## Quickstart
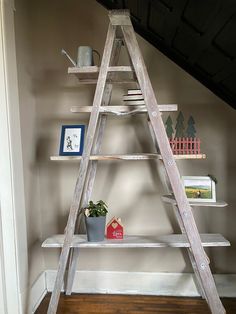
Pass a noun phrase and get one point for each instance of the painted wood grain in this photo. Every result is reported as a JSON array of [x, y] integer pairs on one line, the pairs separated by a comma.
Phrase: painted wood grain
[[190, 237], [83, 170], [170, 199], [172, 171], [92, 169], [123, 109], [137, 241], [139, 156]]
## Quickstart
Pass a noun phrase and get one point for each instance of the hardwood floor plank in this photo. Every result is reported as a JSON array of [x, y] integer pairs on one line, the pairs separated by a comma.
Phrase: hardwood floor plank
[[131, 304]]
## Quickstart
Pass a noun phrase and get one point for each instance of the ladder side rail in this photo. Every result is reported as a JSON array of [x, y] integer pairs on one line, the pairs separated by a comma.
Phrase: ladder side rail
[[83, 170], [92, 167], [197, 279], [172, 170], [153, 136], [74, 252]]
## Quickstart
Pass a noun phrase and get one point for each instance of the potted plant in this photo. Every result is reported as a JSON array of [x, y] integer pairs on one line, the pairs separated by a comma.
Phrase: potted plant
[[95, 220]]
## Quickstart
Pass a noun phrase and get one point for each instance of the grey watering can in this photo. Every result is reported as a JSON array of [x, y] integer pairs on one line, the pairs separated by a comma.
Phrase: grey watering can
[[84, 56]]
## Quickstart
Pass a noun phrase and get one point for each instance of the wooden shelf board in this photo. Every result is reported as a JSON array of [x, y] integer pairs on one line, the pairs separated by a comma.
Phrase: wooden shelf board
[[89, 74], [87, 70], [96, 69], [193, 156], [170, 199], [124, 157], [123, 109], [137, 241]]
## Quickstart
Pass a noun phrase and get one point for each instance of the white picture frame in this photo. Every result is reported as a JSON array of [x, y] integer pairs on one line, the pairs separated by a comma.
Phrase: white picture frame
[[199, 188]]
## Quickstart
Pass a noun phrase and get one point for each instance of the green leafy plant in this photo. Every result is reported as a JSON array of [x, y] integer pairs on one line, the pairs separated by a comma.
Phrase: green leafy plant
[[96, 210]]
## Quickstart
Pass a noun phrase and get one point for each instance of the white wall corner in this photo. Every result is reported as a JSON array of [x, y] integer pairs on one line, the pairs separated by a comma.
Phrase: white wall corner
[[37, 293], [13, 220]]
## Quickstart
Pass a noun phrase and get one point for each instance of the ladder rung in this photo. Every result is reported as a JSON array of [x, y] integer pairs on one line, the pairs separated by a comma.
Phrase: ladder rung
[[170, 199], [124, 157], [109, 80], [96, 69], [120, 69], [123, 109], [137, 241], [89, 74]]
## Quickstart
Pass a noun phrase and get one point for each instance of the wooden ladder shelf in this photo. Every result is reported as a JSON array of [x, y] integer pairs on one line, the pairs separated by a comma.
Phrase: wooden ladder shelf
[[104, 76]]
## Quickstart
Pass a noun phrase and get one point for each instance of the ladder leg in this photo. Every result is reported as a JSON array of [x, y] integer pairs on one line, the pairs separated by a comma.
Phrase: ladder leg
[[88, 191], [93, 165], [72, 269], [172, 171], [87, 194], [198, 280], [83, 170]]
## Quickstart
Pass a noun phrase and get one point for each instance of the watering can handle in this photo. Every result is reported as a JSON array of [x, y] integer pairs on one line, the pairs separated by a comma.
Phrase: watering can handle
[[98, 54]]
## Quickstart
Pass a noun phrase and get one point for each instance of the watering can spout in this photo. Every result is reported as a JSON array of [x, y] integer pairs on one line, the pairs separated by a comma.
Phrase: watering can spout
[[63, 52]]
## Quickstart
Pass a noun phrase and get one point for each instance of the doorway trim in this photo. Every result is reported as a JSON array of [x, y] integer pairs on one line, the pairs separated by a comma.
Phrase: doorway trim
[[13, 240]]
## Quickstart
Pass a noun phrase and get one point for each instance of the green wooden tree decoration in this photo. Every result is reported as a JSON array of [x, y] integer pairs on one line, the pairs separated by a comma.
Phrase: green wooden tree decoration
[[169, 129], [179, 125], [191, 131]]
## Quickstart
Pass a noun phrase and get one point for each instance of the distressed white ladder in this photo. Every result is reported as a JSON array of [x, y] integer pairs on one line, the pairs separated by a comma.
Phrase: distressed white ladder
[[120, 24]]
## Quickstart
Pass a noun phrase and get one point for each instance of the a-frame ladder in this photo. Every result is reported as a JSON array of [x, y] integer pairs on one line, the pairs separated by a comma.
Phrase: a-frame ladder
[[120, 24]]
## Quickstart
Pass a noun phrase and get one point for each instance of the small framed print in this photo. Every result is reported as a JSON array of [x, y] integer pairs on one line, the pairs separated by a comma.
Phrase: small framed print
[[72, 140], [199, 189]]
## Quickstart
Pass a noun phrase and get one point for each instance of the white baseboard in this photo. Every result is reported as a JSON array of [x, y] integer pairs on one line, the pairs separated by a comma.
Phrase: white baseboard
[[37, 293], [143, 283], [169, 284]]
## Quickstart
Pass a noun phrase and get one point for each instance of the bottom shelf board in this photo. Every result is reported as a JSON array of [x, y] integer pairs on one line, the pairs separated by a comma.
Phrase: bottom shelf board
[[137, 241]]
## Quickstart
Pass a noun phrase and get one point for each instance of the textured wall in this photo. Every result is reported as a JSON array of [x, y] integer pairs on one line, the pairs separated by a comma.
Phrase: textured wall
[[131, 189]]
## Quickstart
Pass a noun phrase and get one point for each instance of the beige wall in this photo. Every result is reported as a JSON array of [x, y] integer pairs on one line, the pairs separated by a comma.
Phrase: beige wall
[[28, 120], [131, 189]]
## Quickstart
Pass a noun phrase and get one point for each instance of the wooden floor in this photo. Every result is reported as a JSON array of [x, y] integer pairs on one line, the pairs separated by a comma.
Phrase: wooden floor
[[127, 304]]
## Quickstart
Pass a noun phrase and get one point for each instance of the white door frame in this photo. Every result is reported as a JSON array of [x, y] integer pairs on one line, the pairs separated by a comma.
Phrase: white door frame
[[13, 240]]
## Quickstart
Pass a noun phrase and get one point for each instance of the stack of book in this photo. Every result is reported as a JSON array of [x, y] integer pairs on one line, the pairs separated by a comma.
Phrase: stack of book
[[134, 97]]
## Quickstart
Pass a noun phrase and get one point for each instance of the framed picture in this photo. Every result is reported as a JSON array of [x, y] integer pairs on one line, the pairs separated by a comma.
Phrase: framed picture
[[199, 189], [72, 140]]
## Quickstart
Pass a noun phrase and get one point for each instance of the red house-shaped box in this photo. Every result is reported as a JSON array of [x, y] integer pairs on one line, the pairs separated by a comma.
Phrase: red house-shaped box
[[115, 229]]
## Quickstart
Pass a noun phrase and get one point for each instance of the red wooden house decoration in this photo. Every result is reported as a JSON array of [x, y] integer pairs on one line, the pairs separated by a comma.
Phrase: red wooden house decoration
[[115, 229]]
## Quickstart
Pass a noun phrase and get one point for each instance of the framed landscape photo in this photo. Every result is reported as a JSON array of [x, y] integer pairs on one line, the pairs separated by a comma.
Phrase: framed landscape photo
[[199, 189], [72, 140]]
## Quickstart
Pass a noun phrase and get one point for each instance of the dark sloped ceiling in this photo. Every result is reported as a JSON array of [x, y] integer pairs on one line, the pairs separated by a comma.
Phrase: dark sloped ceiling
[[198, 35]]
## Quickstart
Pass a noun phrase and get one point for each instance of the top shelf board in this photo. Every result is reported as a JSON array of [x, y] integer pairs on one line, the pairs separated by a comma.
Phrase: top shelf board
[[117, 74], [171, 200]]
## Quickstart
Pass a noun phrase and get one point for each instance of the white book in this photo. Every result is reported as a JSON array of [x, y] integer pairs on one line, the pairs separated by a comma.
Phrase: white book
[[134, 92], [133, 97]]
